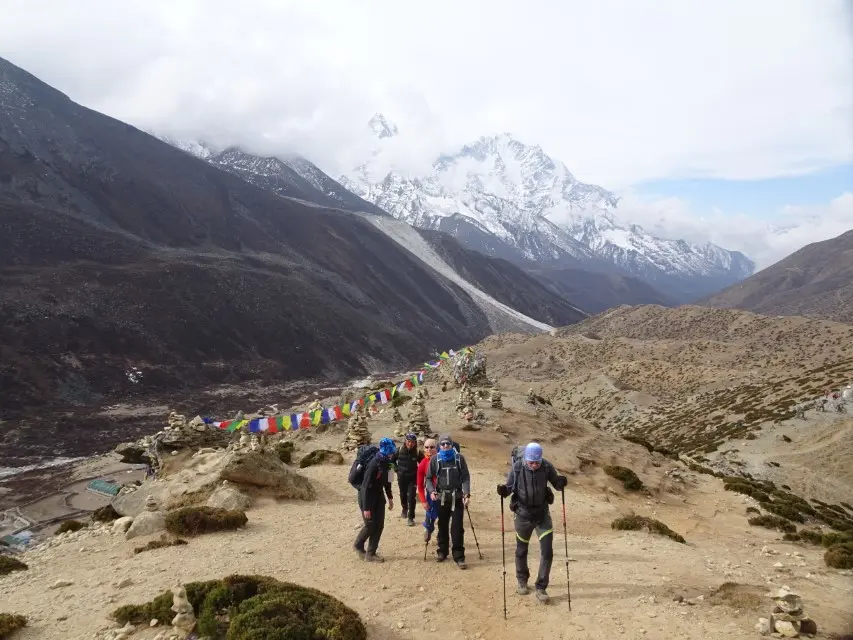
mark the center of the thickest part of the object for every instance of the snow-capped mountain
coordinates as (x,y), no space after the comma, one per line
(512,200)
(292,176)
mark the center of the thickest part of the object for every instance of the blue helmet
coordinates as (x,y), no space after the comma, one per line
(533,452)
(387,447)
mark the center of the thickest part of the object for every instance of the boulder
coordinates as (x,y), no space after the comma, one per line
(229,498)
(321,456)
(203,473)
(132,453)
(146,523)
(122,524)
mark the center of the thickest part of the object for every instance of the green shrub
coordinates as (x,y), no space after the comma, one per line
(752,510)
(641,523)
(8,564)
(160,544)
(285,451)
(812,537)
(256,608)
(831,538)
(159,608)
(9,623)
(193,521)
(628,478)
(69,525)
(105,514)
(400,399)
(839,556)
(747,490)
(784,509)
(321,456)
(773,522)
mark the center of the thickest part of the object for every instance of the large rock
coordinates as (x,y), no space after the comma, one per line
(146,523)
(321,456)
(203,474)
(229,498)
(132,453)
(265,470)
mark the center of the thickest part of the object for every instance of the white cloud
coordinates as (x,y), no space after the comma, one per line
(622,91)
(765,243)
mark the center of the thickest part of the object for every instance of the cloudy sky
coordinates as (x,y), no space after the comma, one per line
(729,120)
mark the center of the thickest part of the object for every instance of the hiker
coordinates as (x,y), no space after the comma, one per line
(407,460)
(527,482)
(372,502)
(449,484)
(430,507)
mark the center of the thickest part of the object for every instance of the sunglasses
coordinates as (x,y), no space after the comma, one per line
(429,446)
(445,444)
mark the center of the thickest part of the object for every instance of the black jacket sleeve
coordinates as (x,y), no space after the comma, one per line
(369,478)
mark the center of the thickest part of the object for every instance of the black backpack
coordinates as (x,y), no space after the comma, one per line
(449,475)
(365,454)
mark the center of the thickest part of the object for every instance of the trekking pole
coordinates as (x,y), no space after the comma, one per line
(503,553)
(474,532)
(566,540)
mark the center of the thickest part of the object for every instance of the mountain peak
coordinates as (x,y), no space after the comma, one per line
(380,125)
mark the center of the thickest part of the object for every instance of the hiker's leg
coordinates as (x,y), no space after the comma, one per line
(403,486)
(378,525)
(523,530)
(364,533)
(457,529)
(411,498)
(545,531)
(443,542)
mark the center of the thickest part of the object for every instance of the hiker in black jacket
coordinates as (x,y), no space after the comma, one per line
(372,501)
(449,484)
(527,482)
(407,460)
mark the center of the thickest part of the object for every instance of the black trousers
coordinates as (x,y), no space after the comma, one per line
(372,529)
(451,525)
(525,525)
(408,495)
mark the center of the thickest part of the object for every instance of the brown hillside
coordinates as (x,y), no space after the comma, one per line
(816,281)
(687,379)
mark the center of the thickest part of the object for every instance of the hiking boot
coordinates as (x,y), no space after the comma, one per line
(372,557)
(440,557)
(360,552)
(411,522)
(522,589)
(403,513)
(461,564)
(541,596)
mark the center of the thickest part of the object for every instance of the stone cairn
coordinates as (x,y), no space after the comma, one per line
(357,431)
(787,619)
(184,620)
(496,398)
(418,418)
(467,398)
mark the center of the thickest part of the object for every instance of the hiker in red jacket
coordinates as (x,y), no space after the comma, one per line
(430,508)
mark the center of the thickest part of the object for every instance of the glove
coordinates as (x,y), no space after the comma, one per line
(561,483)
(503,490)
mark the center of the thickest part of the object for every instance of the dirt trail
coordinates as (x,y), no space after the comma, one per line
(622,583)
(613,574)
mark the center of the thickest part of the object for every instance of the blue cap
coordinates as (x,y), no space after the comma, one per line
(412,436)
(533,452)
(387,447)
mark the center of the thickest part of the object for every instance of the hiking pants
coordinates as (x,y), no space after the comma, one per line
(430,514)
(372,529)
(451,525)
(524,528)
(408,494)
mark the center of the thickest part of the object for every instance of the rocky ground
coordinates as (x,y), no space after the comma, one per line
(623,584)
